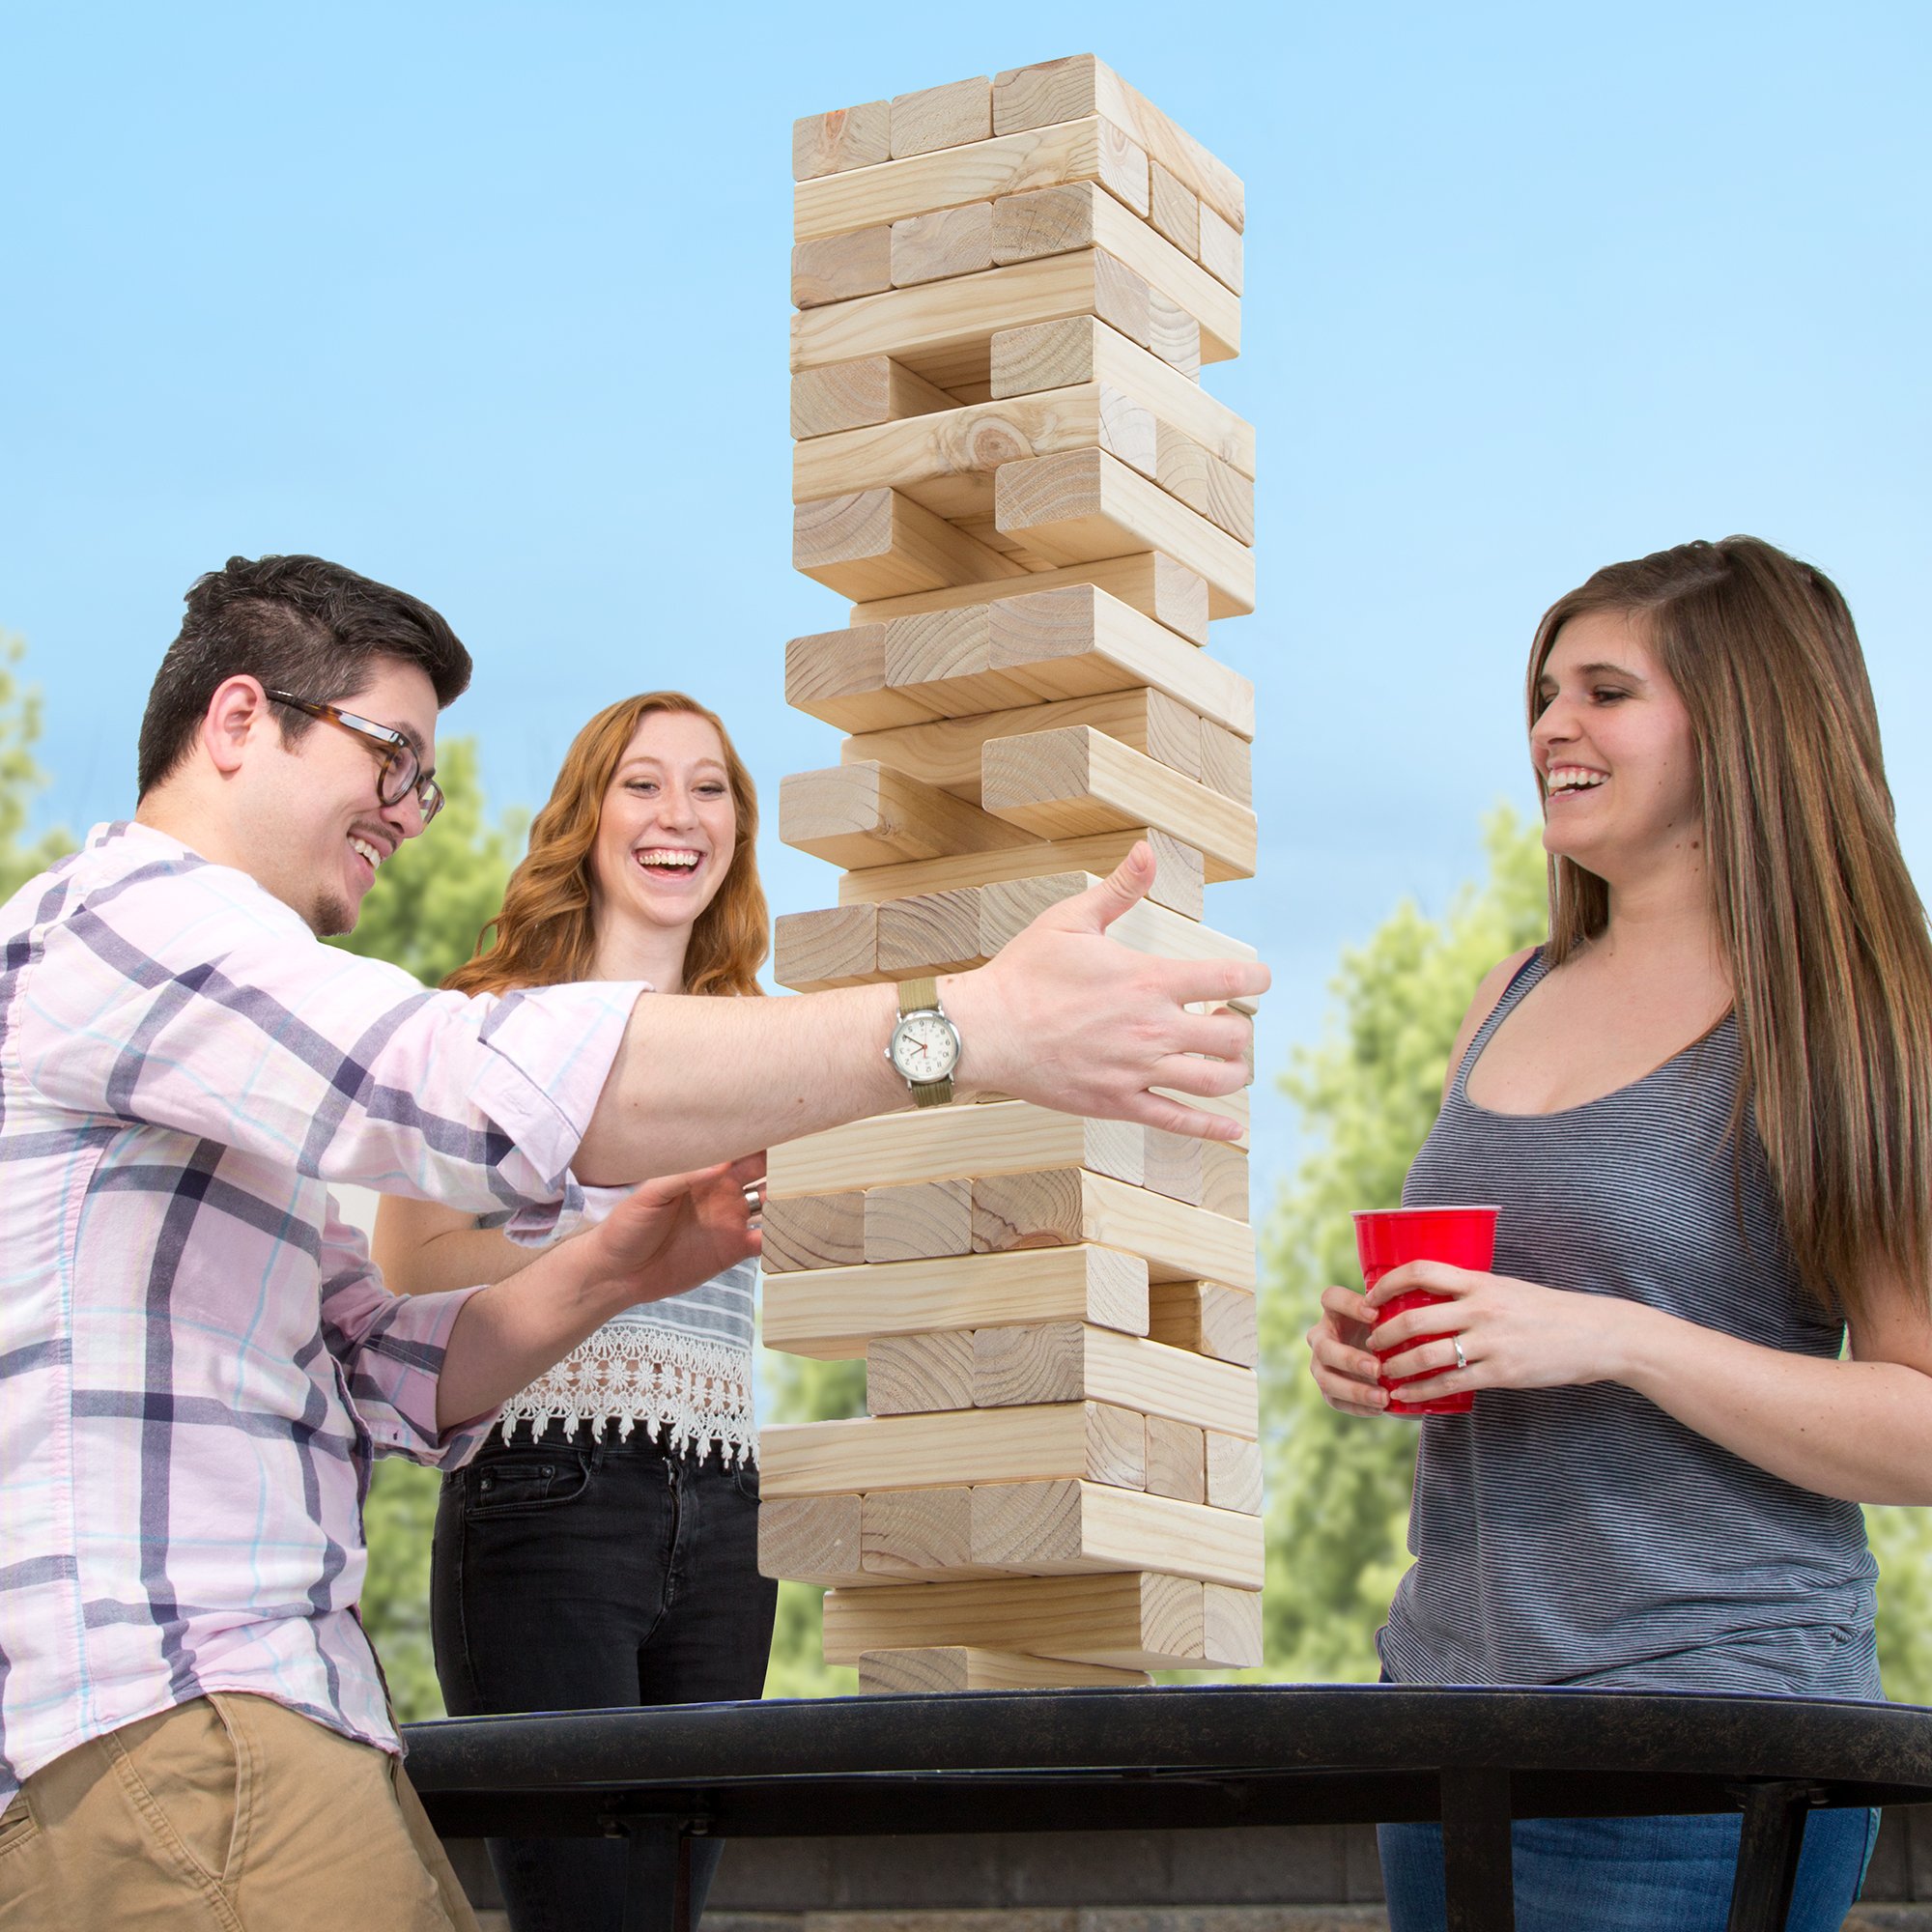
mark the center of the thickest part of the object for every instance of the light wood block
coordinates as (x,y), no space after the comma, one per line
(1173,336)
(911,1375)
(954,1667)
(1061,90)
(1199,479)
(1234,1466)
(1206,1317)
(840,676)
(1085,505)
(854,395)
(877,543)
(1172,1165)
(869,815)
(1227,763)
(1075,780)
(1084,1441)
(924,1534)
(930,247)
(1136,1621)
(812,1540)
(825,1230)
(848,137)
(1224,1180)
(1044,221)
(953,1142)
(1176,1459)
(1177,869)
(813,951)
(1231,1625)
(1071,1361)
(1072,1528)
(1220,249)
(936,932)
(841,267)
(918,1222)
(1081,348)
(1065,1206)
(832,1313)
(947,461)
(1175,210)
(942,117)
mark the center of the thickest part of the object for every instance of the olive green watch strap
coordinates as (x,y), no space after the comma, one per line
(921,996)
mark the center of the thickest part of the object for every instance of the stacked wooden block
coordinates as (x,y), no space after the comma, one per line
(1006,459)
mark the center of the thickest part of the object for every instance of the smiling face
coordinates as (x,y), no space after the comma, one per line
(666,831)
(1616,750)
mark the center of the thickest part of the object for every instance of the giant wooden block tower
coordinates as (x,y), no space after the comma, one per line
(1007,460)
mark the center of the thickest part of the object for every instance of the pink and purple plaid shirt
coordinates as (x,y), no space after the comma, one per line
(198,1362)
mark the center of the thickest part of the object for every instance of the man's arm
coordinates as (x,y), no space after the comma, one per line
(1063,1017)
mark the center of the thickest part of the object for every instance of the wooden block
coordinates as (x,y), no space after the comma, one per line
(877,543)
(832,1312)
(1231,1625)
(1175,210)
(954,1667)
(1220,249)
(812,1540)
(1064,1206)
(825,1230)
(1172,1165)
(1081,348)
(1177,885)
(1176,1459)
(848,137)
(853,395)
(1217,490)
(1079,1440)
(839,266)
(1224,1180)
(813,951)
(930,247)
(1135,1621)
(936,932)
(1085,149)
(1234,1466)
(869,815)
(1072,1528)
(1068,782)
(1071,1361)
(910,1375)
(1206,1317)
(951,1144)
(946,461)
(1173,336)
(1086,504)
(911,1533)
(918,1222)
(1151,585)
(1061,90)
(841,678)
(942,117)
(1044,221)
(1226,763)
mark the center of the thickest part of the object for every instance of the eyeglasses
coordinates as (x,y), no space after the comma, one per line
(402,768)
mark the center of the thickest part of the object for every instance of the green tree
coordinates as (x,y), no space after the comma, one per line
(21,780)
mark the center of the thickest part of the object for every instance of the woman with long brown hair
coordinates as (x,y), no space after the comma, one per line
(1705,1108)
(601,1548)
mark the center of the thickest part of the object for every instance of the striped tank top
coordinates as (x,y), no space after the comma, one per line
(1580,1535)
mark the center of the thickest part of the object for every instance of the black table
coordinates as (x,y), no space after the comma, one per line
(1099,1760)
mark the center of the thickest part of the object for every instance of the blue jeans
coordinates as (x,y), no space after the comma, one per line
(1631,1874)
(578,1572)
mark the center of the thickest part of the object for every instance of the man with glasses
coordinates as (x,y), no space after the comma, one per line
(197,1359)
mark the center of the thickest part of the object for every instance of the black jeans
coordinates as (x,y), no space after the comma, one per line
(578,1573)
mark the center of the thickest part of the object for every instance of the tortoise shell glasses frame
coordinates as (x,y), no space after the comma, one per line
(402,766)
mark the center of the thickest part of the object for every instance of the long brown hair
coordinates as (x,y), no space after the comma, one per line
(546,932)
(1821,925)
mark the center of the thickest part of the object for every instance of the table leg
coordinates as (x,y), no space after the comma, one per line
(1768,1849)
(1477,1879)
(657,1890)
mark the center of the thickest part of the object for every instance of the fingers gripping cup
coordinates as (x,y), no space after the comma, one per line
(1385,1237)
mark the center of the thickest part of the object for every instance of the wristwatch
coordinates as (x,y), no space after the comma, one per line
(925,1046)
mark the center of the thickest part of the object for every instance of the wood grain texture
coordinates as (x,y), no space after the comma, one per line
(942,117)
(877,543)
(1233,1469)
(869,815)
(812,1540)
(924,1534)
(1226,763)
(1073,1361)
(841,678)
(930,247)
(856,394)
(1176,1459)
(1224,1180)
(1221,249)
(813,951)
(847,137)
(1069,1528)
(841,267)
(1173,336)
(1074,780)
(1172,1165)
(1085,505)
(910,1375)
(1064,1206)
(1207,1318)
(1175,210)
(955,1668)
(1231,1625)
(918,1222)
(1082,349)
(826,1231)
(831,1313)
(1199,479)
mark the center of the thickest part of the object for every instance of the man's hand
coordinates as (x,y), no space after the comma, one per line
(671,1234)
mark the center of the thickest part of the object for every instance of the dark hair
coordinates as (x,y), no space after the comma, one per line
(298,624)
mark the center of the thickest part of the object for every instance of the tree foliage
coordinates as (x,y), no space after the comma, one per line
(21,779)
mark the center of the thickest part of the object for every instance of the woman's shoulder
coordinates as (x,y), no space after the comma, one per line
(1490,990)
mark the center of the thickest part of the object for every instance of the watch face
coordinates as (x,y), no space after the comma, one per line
(924,1048)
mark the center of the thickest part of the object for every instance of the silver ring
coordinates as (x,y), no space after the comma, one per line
(1462,1360)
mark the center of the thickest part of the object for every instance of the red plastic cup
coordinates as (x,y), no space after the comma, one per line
(1388,1236)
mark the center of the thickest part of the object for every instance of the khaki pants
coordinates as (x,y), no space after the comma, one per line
(230,1812)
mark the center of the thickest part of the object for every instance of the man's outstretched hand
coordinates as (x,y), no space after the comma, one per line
(672,1232)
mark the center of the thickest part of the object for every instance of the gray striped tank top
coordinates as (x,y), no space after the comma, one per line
(1580,1535)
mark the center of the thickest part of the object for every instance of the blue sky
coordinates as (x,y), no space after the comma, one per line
(491,301)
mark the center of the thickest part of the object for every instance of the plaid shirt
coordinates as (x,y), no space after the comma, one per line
(198,1362)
